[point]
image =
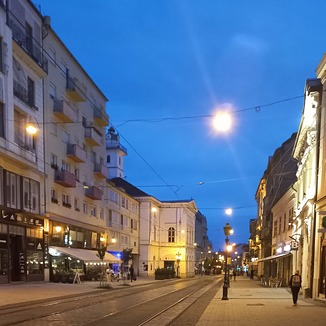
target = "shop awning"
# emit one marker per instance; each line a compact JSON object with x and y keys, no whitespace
{"x":274,"y":257}
{"x":88,"y":256}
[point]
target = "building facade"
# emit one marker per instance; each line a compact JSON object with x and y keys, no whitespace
{"x":23,"y":66}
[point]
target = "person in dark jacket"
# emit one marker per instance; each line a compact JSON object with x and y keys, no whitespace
{"x":295,"y":285}
{"x":131,"y":272}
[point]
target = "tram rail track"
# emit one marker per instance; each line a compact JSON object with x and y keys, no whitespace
{"x":100,"y":307}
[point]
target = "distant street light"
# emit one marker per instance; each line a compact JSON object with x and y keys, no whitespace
{"x":227,"y":232}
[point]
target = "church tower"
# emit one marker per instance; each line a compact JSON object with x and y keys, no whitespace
{"x":115,"y":154}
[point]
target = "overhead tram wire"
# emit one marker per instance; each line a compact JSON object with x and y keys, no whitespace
{"x":143,"y":159}
{"x":257,"y":108}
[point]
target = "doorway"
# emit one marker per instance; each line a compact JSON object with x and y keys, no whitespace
{"x":17,"y":258}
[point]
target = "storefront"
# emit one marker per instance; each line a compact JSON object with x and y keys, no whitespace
{"x":22,"y":257}
{"x":280,"y":267}
{"x":66,"y":262}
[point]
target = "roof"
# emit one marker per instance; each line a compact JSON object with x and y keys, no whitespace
{"x":129,"y":188}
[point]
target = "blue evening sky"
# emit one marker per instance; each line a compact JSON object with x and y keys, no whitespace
{"x":171,"y":63}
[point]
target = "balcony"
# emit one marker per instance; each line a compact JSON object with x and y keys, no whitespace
{"x":100,"y":117}
{"x":100,"y":170}
{"x":65,"y":178}
{"x":93,"y":193}
{"x":26,"y":44}
{"x":75,"y":90}
{"x":64,"y":111}
{"x":76,"y":153}
{"x":93,"y":136}
{"x":24,"y":95}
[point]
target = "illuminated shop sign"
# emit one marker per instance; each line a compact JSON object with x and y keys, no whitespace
{"x":7,"y":216}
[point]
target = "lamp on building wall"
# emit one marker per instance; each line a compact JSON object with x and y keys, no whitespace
{"x":227,"y":232}
{"x":32,"y":127}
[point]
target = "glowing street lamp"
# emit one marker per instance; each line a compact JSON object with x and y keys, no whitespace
{"x":222,"y":122}
{"x":229,"y":211}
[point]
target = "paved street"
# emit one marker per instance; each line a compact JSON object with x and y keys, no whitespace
{"x":249,"y":302}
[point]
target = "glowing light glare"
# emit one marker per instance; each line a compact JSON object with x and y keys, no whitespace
{"x":222,"y":121}
{"x":229,"y":248}
{"x":31,"y":129}
{"x":229,"y":211}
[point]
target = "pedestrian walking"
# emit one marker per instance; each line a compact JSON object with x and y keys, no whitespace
{"x":109,"y":274}
{"x":234,"y":273}
{"x":295,"y":285}
{"x":131,"y":272}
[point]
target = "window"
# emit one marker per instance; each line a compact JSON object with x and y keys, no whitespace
{"x":85,"y":207}
{"x":275,"y":229}
{"x":93,"y":210}
{"x":22,"y":137}
{"x":171,"y":234}
{"x":84,"y":121}
{"x":65,"y":166}
{"x":29,"y":37}
{"x":76,"y":204}
{"x":12,"y":190}
{"x":279,"y":224}
{"x":1,"y":54}
{"x":109,"y":215}
{"x":64,"y":68}
{"x":2,"y":120}
{"x":52,"y":54}
{"x":52,"y":91}
{"x":284,"y":222}
{"x":77,"y":174}
{"x":31,"y":92}
{"x":108,"y":159}
{"x":93,"y":157}
{"x":53,"y":161}
{"x":53,"y":127}
{"x":101,"y":213}
{"x":54,"y":198}
{"x":66,"y":201}
{"x":65,"y":136}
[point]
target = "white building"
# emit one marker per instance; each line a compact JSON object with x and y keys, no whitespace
{"x":23,"y":67}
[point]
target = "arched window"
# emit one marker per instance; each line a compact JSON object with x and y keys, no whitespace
{"x":171,"y":234}
{"x":108,"y":159}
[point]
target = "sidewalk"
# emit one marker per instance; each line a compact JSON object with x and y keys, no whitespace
{"x":252,"y":304}
{"x":28,"y":292}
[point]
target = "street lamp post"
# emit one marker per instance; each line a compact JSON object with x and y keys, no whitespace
{"x":227,"y":232}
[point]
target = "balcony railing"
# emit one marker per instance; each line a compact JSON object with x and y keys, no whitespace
{"x":65,"y":179}
{"x":76,"y":153}
{"x":24,"y":95}
{"x":100,"y":170}
{"x":111,"y":144}
{"x":93,"y":136}
{"x":100,"y":117}
{"x":27,"y":43}
{"x":75,"y":90}
{"x":64,"y":111}
{"x":94,"y":193}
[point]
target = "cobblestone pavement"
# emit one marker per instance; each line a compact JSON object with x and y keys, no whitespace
{"x":252,"y":304}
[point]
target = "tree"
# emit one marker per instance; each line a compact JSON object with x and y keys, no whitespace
{"x":101,"y":254}
{"x":125,"y":257}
